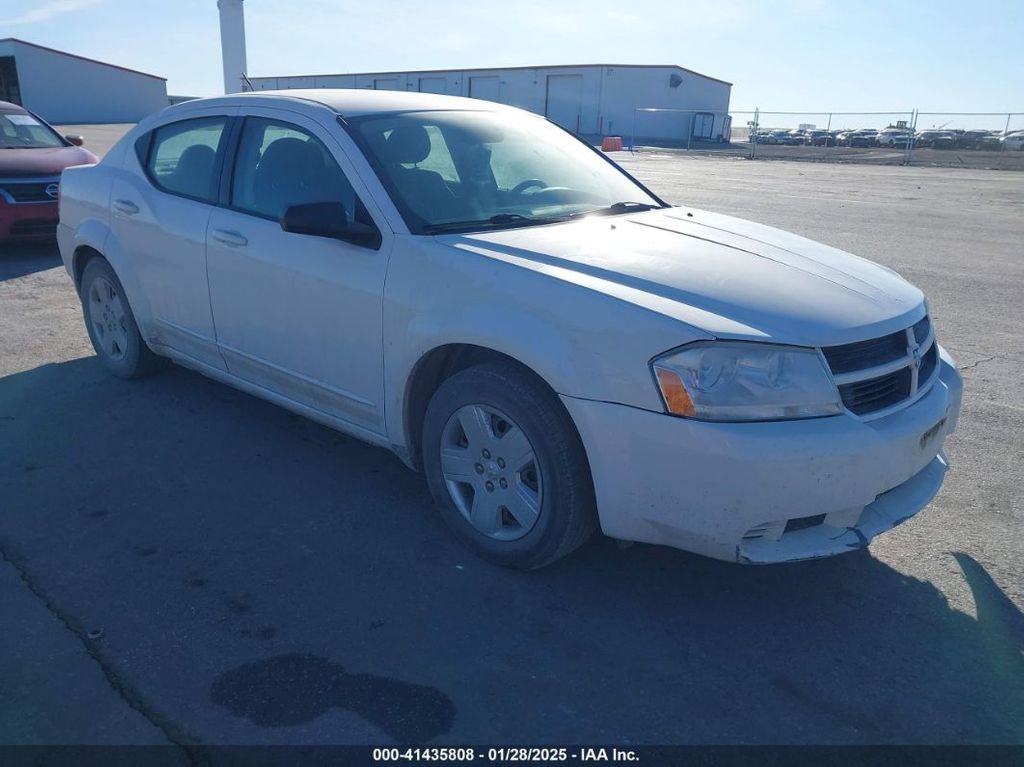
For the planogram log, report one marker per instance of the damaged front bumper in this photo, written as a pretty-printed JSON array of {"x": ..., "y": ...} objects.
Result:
[{"x": 766, "y": 492}]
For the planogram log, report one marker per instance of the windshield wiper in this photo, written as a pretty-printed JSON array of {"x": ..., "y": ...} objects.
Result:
[
  {"x": 618, "y": 207},
  {"x": 496, "y": 221}
]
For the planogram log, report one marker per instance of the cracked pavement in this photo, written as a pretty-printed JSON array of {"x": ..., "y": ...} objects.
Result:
[{"x": 259, "y": 579}]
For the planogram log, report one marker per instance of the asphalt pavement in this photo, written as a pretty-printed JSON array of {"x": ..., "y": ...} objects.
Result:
[{"x": 184, "y": 563}]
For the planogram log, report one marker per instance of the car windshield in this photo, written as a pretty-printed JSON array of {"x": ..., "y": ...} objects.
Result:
[
  {"x": 20, "y": 130},
  {"x": 459, "y": 171}
]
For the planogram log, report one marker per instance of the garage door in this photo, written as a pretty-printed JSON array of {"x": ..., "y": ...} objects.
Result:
[
  {"x": 565, "y": 100},
  {"x": 484, "y": 87},
  {"x": 433, "y": 85},
  {"x": 385, "y": 84}
]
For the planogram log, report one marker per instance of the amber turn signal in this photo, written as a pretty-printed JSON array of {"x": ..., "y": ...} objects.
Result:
[{"x": 674, "y": 392}]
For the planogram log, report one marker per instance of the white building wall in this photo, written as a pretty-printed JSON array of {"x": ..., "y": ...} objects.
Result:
[
  {"x": 592, "y": 100},
  {"x": 67, "y": 89}
]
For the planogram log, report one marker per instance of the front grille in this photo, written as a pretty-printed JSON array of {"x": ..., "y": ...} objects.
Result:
[
  {"x": 28, "y": 191},
  {"x": 928, "y": 363},
  {"x": 866, "y": 354},
  {"x": 865, "y": 397},
  {"x": 34, "y": 227},
  {"x": 921, "y": 330},
  {"x": 880, "y": 373}
]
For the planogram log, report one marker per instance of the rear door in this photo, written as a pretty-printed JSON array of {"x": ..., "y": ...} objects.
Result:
[
  {"x": 296, "y": 314},
  {"x": 160, "y": 207}
]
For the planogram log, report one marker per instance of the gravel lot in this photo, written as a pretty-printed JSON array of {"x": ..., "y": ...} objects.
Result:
[{"x": 184, "y": 563}]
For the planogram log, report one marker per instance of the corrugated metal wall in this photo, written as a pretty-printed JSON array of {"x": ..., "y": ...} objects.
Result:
[
  {"x": 67, "y": 89},
  {"x": 591, "y": 100}
]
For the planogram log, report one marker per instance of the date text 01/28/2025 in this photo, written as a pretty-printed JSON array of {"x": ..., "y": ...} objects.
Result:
[{"x": 504, "y": 754}]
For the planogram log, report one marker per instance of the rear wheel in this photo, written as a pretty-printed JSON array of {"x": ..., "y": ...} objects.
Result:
[
  {"x": 506, "y": 466},
  {"x": 111, "y": 325}
]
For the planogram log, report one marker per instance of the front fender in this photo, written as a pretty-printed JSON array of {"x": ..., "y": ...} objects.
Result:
[{"x": 582, "y": 342}]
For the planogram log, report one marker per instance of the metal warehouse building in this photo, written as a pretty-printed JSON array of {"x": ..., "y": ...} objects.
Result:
[
  {"x": 64, "y": 88},
  {"x": 589, "y": 99}
]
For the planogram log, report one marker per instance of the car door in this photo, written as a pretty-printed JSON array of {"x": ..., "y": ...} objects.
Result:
[
  {"x": 297, "y": 314},
  {"x": 161, "y": 202}
]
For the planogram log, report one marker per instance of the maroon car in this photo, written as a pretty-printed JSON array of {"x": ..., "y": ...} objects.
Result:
[{"x": 32, "y": 156}]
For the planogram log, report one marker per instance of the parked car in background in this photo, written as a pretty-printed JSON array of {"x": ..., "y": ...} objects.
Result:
[
  {"x": 32, "y": 156},
  {"x": 993, "y": 142},
  {"x": 468, "y": 285},
  {"x": 893, "y": 137},
  {"x": 935, "y": 139},
  {"x": 972, "y": 139},
  {"x": 819, "y": 138},
  {"x": 862, "y": 137},
  {"x": 1012, "y": 142}
]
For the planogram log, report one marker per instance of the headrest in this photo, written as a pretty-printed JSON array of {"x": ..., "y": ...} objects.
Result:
[
  {"x": 290, "y": 156},
  {"x": 198, "y": 157},
  {"x": 408, "y": 144}
]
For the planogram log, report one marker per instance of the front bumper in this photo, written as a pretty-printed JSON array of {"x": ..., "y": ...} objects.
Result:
[
  {"x": 27, "y": 221},
  {"x": 766, "y": 492}
]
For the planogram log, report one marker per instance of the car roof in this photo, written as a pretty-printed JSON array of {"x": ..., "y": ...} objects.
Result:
[
  {"x": 353, "y": 102},
  {"x": 8, "y": 107}
]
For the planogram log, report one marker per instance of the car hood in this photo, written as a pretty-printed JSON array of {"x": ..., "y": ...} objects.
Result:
[
  {"x": 725, "y": 276},
  {"x": 48, "y": 161}
]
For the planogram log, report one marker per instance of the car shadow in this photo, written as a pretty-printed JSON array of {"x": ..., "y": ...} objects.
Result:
[
  {"x": 232, "y": 551},
  {"x": 21, "y": 259}
]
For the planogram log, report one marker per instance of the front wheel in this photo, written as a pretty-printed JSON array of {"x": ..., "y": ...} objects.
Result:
[
  {"x": 111, "y": 325},
  {"x": 506, "y": 466}
]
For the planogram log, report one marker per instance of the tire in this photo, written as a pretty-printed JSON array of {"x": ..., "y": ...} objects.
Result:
[
  {"x": 549, "y": 492},
  {"x": 111, "y": 325}
]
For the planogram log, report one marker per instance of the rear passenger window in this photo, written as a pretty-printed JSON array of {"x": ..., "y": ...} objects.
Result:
[{"x": 183, "y": 157}]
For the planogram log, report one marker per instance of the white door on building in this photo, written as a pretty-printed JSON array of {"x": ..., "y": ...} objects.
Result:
[
  {"x": 433, "y": 85},
  {"x": 386, "y": 84},
  {"x": 486, "y": 87},
  {"x": 703, "y": 125},
  {"x": 564, "y": 104}
]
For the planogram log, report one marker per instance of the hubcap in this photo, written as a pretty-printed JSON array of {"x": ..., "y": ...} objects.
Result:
[
  {"x": 108, "y": 319},
  {"x": 491, "y": 472}
]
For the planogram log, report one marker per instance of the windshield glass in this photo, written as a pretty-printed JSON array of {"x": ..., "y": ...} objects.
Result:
[
  {"x": 463, "y": 171},
  {"x": 20, "y": 130}
]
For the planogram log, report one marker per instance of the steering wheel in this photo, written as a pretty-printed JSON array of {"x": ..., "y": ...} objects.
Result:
[{"x": 522, "y": 186}]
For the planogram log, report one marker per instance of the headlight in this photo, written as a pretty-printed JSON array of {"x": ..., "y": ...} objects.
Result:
[{"x": 738, "y": 381}]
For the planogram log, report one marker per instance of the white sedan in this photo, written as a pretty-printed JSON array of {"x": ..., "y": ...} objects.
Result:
[{"x": 510, "y": 312}]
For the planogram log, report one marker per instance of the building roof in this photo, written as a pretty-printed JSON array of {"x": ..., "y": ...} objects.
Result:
[
  {"x": 498, "y": 69},
  {"x": 80, "y": 58}
]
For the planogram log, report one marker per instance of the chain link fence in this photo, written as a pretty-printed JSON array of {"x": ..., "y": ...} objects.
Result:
[{"x": 911, "y": 137}]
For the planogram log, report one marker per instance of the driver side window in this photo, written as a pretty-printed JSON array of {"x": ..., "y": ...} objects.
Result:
[{"x": 279, "y": 165}]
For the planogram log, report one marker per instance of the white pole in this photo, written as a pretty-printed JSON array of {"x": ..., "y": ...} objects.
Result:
[{"x": 232, "y": 44}]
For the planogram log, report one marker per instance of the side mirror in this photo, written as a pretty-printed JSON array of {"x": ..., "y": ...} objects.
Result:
[
  {"x": 76, "y": 140},
  {"x": 329, "y": 219}
]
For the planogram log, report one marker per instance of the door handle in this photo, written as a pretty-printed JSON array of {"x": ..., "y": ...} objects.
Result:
[
  {"x": 127, "y": 207},
  {"x": 229, "y": 238}
]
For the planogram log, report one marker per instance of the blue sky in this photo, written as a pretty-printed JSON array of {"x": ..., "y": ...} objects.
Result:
[{"x": 783, "y": 55}]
